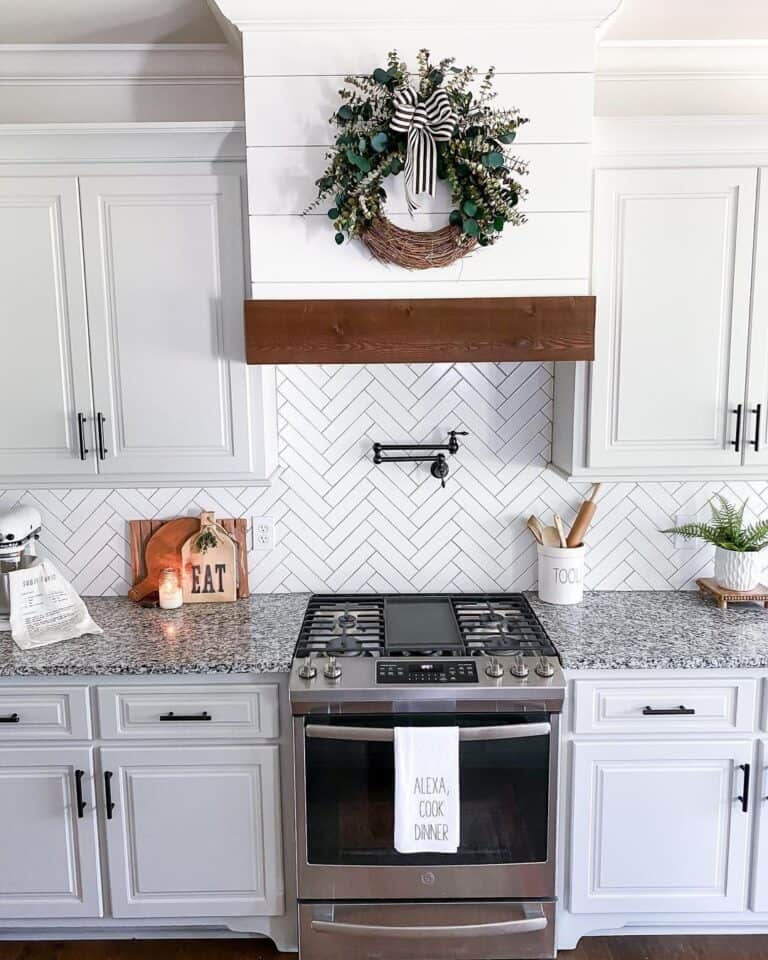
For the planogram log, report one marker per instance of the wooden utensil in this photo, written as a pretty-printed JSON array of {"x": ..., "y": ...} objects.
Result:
[
  {"x": 583, "y": 519},
  {"x": 550, "y": 536},
  {"x": 536, "y": 529},
  {"x": 560, "y": 532}
]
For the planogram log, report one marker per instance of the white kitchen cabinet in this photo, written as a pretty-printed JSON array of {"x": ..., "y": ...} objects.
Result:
[
  {"x": 164, "y": 278},
  {"x": 756, "y": 409},
  {"x": 667, "y": 395},
  {"x": 759, "y": 898},
  {"x": 124, "y": 300},
  {"x": 657, "y": 827},
  {"x": 44, "y": 330},
  {"x": 49, "y": 864},
  {"x": 195, "y": 831}
]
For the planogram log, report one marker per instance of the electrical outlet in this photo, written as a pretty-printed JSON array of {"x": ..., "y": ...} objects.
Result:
[
  {"x": 677, "y": 541},
  {"x": 262, "y": 533}
]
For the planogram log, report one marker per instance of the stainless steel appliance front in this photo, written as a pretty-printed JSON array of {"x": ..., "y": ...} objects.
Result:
[{"x": 345, "y": 807}]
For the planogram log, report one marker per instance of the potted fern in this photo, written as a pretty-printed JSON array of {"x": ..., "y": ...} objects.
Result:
[{"x": 739, "y": 560}]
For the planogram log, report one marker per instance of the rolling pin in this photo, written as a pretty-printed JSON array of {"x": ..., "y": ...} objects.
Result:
[{"x": 583, "y": 519}]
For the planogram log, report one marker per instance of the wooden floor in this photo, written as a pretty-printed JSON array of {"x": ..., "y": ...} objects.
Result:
[{"x": 590, "y": 948}]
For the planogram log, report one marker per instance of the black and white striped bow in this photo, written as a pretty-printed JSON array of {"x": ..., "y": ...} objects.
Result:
[{"x": 425, "y": 122}]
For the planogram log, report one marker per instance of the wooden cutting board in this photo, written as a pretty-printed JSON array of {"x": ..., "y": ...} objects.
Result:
[{"x": 156, "y": 544}]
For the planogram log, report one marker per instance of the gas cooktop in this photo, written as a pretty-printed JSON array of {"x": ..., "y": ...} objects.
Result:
[{"x": 432, "y": 625}]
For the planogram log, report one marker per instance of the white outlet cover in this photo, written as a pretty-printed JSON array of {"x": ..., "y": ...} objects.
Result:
[
  {"x": 677, "y": 541},
  {"x": 262, "y": 533}
]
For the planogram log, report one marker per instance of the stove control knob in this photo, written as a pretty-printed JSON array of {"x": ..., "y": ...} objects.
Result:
[
  {"x": 332, "y": 670},
  {"x": 494, "y": 669},
  {"x": 544, "y": 668},
  {"x": 519, "y": 667},
  {"x": 307, "y": 671}
]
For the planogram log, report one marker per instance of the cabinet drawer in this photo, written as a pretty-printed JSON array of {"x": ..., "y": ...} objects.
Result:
[
  {"x": 189, "y": 712},
  {"x": 710, "y": 706},
  {"x": 44, "y": 713}
]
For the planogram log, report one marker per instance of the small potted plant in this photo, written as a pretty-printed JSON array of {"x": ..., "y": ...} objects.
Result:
[{"x": 739, "y": 559}]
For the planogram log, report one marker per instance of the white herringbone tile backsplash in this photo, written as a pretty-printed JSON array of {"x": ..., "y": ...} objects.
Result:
[{"x": 343, "y": 524}]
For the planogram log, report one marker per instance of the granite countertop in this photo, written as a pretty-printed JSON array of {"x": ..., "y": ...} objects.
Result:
[
  {"x": 655, "y": 630},
  {"x": 256, "y": 635}
]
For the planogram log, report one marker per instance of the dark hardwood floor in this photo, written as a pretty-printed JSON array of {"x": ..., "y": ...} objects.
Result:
[{"x": 590, "y": 948}]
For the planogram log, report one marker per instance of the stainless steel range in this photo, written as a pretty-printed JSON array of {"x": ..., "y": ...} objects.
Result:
[{"x": 364, "y": 665}]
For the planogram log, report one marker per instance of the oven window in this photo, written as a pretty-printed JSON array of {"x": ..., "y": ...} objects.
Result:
[{"x": 504, "y": 787}]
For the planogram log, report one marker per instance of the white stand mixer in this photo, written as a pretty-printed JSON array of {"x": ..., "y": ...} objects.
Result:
[{"x": 19, "y": 529}]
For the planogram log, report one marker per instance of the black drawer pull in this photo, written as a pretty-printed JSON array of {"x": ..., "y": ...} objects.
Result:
[
  {"x": 736, "y": 444},
  {"x": 81, "y": 804},
  {"x": 100, "y": 421},
  {"x": 108, "y": 803},
  {"x": 744, "y": 797},
  {"x": 81, "y": 418},
  {"x": 756, "y": 439},
  {"x": 186, "y": 716},
  {"x": 671, "y": 712},
  {"x": 11, "y": 718}
]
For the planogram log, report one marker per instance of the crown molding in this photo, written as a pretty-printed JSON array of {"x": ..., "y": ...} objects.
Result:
[
  {"x": 105, "y": 63},
  {"x": 30, "y": 143},
  {"x": 680, "y": 140},
  {"x": 645, "y": 60},
  {"x": 334, "y": 14}
]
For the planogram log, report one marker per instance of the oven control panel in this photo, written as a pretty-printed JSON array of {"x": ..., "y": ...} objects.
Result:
[{"x": 426, "y": 671}]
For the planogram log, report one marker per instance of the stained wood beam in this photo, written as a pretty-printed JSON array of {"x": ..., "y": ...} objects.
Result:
[{"x": 420, "y": 331}]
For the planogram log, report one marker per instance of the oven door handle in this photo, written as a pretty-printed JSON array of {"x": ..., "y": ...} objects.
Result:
[
  {"x": 387, "y": 734},
  {"x": 498, "y": 929}
]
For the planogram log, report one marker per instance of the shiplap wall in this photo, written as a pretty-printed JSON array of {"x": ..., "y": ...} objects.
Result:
[{"x": 292, "y": 79}]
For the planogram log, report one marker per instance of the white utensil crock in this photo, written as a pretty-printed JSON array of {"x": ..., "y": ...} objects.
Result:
[
  {"x": 738, "y": 571},
  {"x": 561, "y": 574}
]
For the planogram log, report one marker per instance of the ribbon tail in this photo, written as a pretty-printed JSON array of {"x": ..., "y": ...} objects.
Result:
[{"x": 410, "y": 180}]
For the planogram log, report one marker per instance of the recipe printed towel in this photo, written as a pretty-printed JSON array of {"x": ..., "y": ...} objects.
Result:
[
  {"x": 427, "y": 818},
  {"x": 45, "y": 607}
]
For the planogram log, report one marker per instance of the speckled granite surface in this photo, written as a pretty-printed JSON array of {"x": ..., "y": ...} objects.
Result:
[
  {"x": 655, "y": 630},
  {"x": 256, "y": 635}
]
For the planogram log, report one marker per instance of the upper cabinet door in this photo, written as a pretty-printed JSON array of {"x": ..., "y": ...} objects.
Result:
[
  {"x": 672, "y": 273},
  {"x": 164, "y": 276},
  {"x": 43, "y": 331},
  {"x": 756, "y": 429}
]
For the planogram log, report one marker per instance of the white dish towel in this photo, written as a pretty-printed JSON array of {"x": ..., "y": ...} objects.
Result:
[{"x": 427, "y": 818}]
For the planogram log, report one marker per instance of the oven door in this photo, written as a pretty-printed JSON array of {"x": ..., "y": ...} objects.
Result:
[{"x": 345, "y": 789}]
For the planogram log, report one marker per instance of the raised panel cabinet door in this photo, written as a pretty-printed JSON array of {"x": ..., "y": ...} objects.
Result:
[
  {"x": 49, "y": 864},
  {"x": 44, "y": 355},
  {"x": 672, "y": 275},
  {"x": 164, "y": 275},
  {"x": 195, "y": 831},
  {"x": 756, "y": 416},
  {"x": 658, "y": 827}
]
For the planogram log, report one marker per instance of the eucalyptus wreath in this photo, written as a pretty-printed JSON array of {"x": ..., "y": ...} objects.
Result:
[{"x": 448, "y": 122}]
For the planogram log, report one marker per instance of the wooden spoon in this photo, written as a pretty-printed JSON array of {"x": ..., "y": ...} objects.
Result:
[
  {"x": 536, "y": 529},
  {"x": 550, "y": 537},
  {"x": 560, "y": 532}
]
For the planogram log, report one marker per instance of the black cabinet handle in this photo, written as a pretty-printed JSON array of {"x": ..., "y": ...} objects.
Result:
[
  {"x": 84, "y": 451},
  {"x": 11, "y": 718},
  {"x": 680, "y": 711},
  {"x": 756, "y": 439},
  {"x": 81, "y": 804},
  {"x": 744, "y": 797},
  {"x": 186, "y": 716},
  {"x": 736, "y": 444},
  {"x": 100, "y": 421},
  {"x": 108, "y": 803}
]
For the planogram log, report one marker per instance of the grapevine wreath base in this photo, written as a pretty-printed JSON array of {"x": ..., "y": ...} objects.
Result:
[{"x": 415, "y": 249}]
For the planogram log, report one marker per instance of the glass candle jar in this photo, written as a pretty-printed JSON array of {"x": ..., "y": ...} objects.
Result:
[{"x": 169, "y": 589}]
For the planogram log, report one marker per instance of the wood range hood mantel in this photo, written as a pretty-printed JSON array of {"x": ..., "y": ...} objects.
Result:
[{"x": 420, "y": 331}]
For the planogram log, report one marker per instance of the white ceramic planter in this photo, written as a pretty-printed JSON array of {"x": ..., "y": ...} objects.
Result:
[
  {"x": 561, "y": 574},
  {"x": 738, "y": 571}
]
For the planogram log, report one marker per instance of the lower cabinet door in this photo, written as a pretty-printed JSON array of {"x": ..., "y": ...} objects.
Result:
[
  {"x": 760, "y": 856},
  {"x": 659, "y": 826},
  {"x": 194, "y": 831},
  {"x": 49, "y": 864}
]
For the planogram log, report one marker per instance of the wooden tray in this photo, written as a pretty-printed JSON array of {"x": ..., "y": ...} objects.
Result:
[
  {"x": 168, "y": 537},
  {"x": 711, "y": 588}
]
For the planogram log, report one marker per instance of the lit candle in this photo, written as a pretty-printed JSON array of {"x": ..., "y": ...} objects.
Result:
[{"x": 169, "y": 589}]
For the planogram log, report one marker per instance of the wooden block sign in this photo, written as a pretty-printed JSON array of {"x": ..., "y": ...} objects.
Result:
[{"x": 209, "y": 564}]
